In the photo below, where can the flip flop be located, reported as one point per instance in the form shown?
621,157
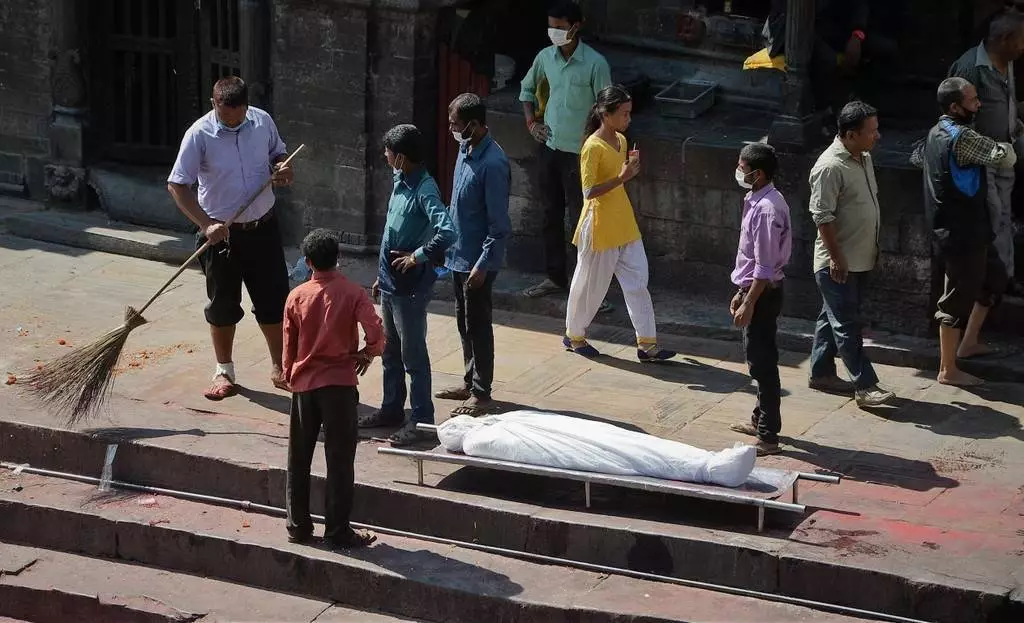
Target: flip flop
475,411
222,388
354,540
542,289
379,419
453,393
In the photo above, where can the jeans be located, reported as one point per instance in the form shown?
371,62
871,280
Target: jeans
405,352
473,313
558,179
762,356
839,330
333,407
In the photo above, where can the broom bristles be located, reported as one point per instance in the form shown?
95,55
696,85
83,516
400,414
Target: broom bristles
75,386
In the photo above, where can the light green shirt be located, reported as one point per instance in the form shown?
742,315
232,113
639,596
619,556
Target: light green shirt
574,85
844,192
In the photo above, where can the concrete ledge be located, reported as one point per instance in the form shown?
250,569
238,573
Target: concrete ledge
697,555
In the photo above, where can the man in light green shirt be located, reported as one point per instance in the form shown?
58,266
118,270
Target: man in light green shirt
574,73
844,206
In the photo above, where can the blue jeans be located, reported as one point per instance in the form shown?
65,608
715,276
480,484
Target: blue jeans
838,330
405,328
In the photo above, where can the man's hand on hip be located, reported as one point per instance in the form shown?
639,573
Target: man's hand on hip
216,233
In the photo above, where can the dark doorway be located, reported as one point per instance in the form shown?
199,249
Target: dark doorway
154,64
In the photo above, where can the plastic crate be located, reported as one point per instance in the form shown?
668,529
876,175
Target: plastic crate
688,99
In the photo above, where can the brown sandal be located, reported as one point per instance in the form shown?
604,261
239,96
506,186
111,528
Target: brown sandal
222,388
355,539
453,393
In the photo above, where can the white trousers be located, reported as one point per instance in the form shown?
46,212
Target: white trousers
593,275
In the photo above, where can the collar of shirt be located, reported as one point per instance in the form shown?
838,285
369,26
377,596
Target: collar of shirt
410,180
578,55
839,150
478,150
982,59
324,276
753,197
250,118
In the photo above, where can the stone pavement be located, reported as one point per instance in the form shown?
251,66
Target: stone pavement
933,488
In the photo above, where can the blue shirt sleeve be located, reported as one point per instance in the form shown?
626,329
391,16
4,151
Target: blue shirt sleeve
497,183
277,147
429,200
190,156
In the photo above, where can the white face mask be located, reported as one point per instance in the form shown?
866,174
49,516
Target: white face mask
397,169
559,37
460,137
741,179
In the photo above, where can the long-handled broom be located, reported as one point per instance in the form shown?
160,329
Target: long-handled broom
75,386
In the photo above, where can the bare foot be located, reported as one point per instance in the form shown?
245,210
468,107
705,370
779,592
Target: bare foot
959,378
973,350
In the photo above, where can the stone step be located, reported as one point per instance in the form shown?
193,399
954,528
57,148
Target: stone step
400,576
47,585
643,538
680,314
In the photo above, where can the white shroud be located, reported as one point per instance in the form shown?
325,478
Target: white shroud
551,440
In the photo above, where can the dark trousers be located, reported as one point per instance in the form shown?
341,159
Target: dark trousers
974,274
473,312
838,331
334,408
762,356
558,179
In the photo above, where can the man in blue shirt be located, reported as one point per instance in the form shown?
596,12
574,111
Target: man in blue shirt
416,236
479,211
231,151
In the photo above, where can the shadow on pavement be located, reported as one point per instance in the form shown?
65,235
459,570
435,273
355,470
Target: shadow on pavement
127,433
432,568
689,372
267,400
956,419
872,467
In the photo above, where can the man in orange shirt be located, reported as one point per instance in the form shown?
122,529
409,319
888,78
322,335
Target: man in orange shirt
321,364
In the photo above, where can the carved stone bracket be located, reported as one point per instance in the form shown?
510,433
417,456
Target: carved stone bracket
64,183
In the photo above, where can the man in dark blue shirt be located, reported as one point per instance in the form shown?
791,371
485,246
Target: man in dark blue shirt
479,211
416,236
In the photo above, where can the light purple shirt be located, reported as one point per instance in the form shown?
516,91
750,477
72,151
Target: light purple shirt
230,165
766,239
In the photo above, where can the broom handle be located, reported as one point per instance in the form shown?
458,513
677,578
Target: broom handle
206,245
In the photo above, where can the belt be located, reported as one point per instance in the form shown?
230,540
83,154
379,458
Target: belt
771,286
250,225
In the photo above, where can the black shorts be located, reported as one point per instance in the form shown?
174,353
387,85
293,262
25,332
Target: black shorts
253,257
973,275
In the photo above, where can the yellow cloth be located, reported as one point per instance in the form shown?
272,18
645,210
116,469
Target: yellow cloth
543,93
761,60
614,224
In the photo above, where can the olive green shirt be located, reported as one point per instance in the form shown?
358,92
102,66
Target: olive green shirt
844,192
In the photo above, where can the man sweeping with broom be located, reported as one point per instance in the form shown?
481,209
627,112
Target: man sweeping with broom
231,152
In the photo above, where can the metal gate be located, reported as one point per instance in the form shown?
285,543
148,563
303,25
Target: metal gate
153,75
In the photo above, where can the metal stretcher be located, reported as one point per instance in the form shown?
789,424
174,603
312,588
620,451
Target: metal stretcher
762,489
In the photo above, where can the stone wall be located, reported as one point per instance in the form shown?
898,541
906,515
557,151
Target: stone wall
688,206
25,30
344,72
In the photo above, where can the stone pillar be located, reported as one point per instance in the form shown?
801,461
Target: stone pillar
65,174
797,125
343,73
254,49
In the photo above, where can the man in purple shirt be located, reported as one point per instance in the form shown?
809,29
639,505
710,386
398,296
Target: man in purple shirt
230,152
764,248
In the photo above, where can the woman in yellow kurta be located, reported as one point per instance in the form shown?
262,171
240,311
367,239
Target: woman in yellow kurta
607,236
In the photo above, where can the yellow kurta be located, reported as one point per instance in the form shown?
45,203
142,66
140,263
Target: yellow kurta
614,224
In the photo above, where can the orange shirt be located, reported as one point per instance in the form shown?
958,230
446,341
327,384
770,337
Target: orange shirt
321,331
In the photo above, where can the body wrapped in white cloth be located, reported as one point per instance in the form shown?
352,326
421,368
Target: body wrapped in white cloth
551,440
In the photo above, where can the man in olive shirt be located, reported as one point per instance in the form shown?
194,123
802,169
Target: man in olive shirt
575,74
844,206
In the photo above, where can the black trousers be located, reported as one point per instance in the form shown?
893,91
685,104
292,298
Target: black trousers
558,180
762,356
473,311
334,408
974,274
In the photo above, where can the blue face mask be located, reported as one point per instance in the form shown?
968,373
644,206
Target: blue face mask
223,126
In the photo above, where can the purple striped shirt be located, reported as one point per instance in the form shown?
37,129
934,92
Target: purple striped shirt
766,238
